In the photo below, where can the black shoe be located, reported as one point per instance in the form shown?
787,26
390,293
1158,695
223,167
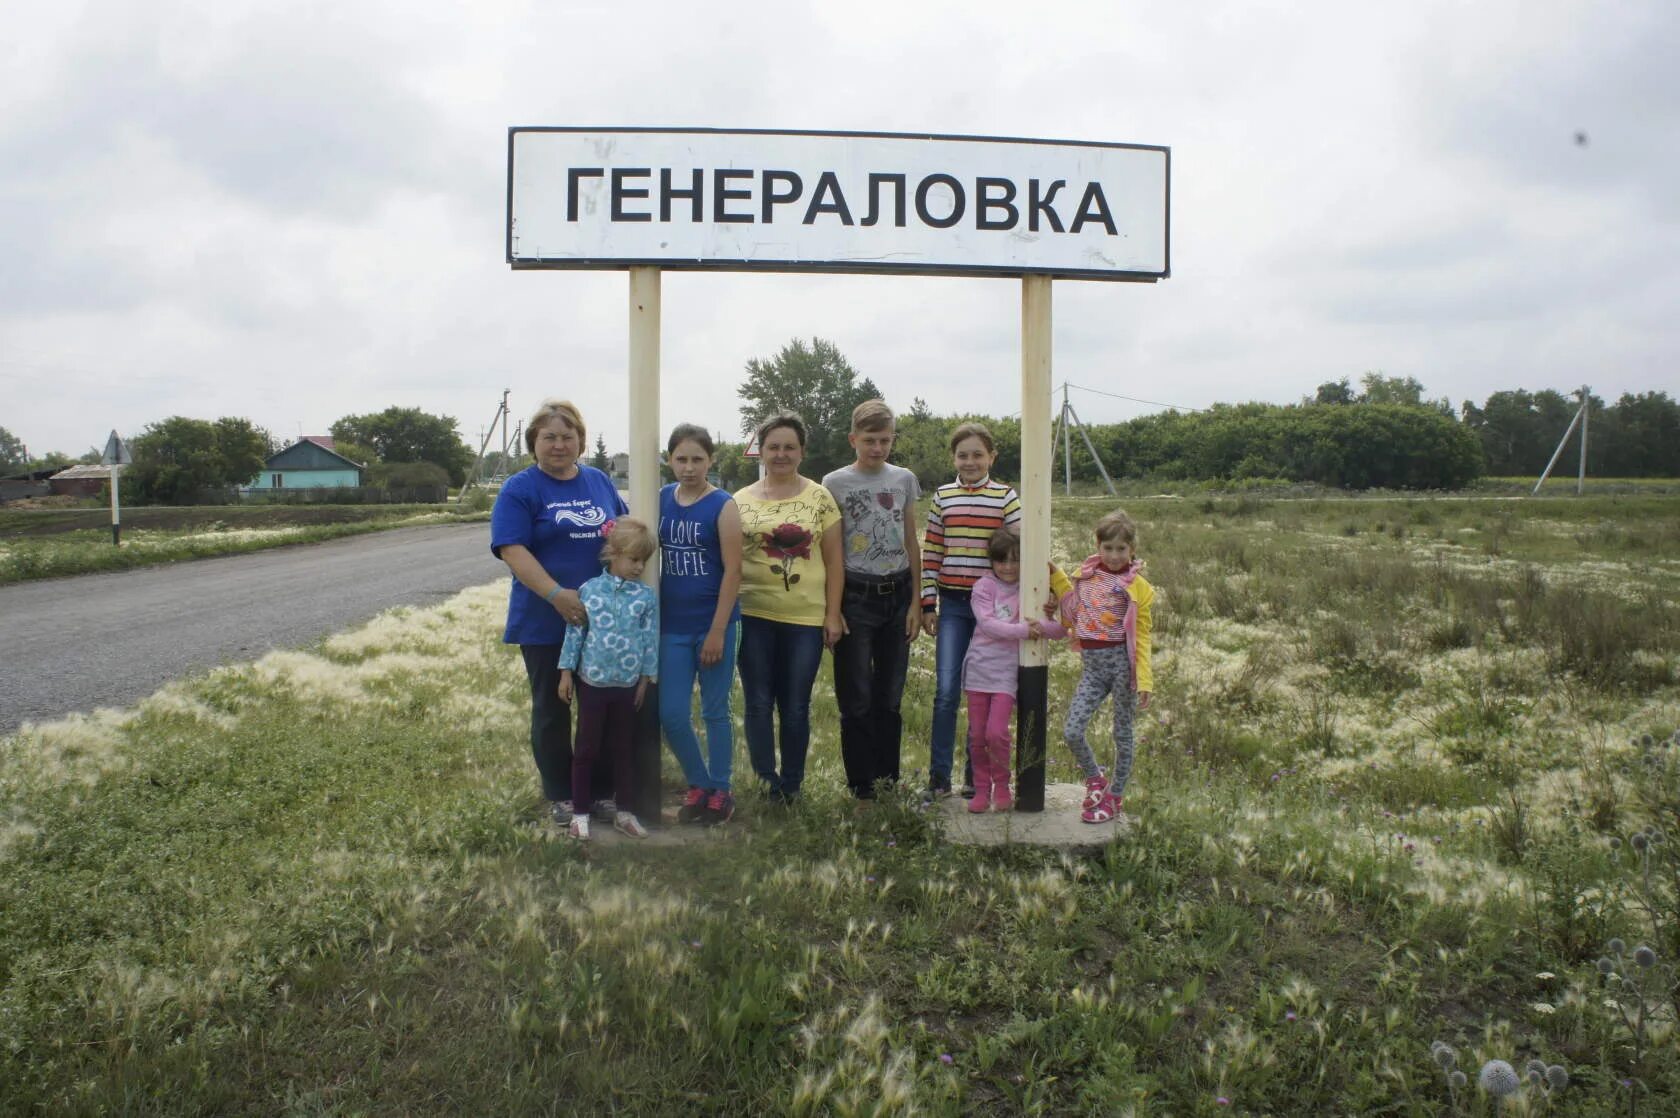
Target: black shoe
693,809
605,811
720,808
967,791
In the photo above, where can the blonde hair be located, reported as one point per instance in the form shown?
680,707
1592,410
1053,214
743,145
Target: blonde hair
550,409
629,537
872,415
973,431
1117,526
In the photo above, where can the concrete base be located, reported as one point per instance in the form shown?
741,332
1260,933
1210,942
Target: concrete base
1058,825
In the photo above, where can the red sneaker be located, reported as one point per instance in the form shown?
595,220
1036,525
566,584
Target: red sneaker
720,808
1104,812
693,808
1095,789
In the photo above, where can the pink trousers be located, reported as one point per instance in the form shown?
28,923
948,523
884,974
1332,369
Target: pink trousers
989,715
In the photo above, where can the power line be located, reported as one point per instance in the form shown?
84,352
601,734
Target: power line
1131,399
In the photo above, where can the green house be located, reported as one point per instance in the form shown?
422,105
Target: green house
307,464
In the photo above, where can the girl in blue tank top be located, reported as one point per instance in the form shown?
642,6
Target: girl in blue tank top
699,582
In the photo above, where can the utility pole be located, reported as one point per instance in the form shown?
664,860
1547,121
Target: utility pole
1581,420
1068,420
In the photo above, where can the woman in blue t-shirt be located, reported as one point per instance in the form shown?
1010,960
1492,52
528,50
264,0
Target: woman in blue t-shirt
547,527
699,582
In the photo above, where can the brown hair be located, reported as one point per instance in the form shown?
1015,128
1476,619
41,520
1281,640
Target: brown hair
1004,545
691,433
1117,526
973,431
550,409
629,536
872,415
788,419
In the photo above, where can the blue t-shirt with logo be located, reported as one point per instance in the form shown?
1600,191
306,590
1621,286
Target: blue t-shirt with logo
561,523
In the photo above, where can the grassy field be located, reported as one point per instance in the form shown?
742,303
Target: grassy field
1397,789
50,543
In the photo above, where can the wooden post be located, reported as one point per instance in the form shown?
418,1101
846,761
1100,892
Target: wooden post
1037,453
644,504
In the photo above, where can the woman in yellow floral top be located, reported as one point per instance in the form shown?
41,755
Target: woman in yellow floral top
792,578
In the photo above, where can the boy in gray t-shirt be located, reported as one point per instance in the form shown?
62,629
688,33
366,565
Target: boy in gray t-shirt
880,610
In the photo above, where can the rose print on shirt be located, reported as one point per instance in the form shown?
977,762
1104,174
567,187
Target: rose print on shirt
786,542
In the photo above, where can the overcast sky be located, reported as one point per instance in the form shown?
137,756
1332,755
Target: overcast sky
293,212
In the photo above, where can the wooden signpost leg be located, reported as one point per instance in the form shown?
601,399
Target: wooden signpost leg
644,503
1032,700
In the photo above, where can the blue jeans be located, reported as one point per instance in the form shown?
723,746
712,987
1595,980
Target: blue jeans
679,666
779,664
956,629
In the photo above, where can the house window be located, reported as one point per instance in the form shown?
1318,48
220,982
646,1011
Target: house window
278,480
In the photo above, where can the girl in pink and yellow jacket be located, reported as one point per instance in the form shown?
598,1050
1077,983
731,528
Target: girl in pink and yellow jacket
1108,614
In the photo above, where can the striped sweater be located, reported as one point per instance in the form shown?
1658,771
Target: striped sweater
960,521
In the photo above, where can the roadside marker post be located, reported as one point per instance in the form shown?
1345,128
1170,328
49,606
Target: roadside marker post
116,456
644,200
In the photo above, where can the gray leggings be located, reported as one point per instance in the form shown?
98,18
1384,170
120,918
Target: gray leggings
1106,670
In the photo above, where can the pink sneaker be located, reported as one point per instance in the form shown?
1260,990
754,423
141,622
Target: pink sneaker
1104,812
1001,799
1095,789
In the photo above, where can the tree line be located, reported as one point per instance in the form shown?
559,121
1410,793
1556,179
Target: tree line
1382,433
180,460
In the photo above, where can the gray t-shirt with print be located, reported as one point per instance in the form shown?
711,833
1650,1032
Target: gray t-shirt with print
873,509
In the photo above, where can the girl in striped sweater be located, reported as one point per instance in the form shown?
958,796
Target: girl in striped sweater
960,523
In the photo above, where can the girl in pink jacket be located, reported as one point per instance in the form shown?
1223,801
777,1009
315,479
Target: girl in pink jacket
989,668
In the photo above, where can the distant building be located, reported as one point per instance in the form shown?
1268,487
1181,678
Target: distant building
30,483
309,463
620,469
80,481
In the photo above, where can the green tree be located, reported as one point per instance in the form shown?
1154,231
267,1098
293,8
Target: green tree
1380,389
186,461
409,435
817,382
734,468
13,456
1519,430
1334,392
601,461
356,452
52,460
1638,436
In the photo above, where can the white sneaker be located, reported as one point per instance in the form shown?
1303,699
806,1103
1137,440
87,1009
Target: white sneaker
630,825
578,828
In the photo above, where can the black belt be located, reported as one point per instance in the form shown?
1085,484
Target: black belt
877,584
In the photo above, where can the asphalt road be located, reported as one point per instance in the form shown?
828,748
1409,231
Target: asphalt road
73,644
